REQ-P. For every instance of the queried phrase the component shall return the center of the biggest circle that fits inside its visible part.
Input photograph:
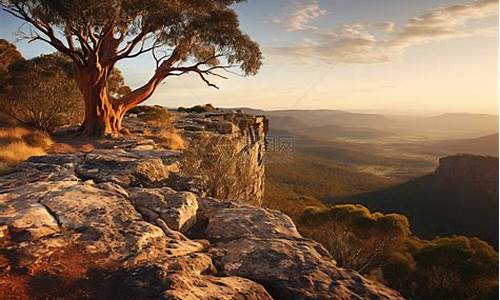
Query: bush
(41, 92)
(356, 238)
(221, 164)
(198, 109)
(456, 267)
(41, 89)
(154, 115)
(161, 126)
(380, 245)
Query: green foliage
(357, 239)
(36, 95)
(154, 115)
(116, 84)
(382, 246)
(445, 268)
(209, 25)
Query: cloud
(384, 41)
(300, 16)
(385, 26)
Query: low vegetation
(219, 163)
(358, 239)
(160, 126)
(381, 246)
(32, 93)
(19, 143)
(455, 267)
(198, 109)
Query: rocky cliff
(110, 224)
(473, 172)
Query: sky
(391, 56)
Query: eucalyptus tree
(183, 36)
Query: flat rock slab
(123, 168)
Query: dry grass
(13, 132)
(19, 151)
(161, 127)
(167, 137)
(19, 143)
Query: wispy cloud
(384, 41)
(300, 16)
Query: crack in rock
(51, 213)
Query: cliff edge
(114, 224)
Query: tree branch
(17, 11)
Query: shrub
(356, 238)
(154, 115)
(160, 126)
(198, 109)
(455, 267)
(41, 91)
(167, 137)
(221, 164)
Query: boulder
(42, 168)
(176, 209)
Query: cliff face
(236, 143)
(109, 225)
(479, 173)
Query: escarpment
(125, 222)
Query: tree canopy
(357, 238)
(183, 36)
(455, 267)
(203, 30)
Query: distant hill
(485, 145)
(324, 117)
(445, 126)
(460, 197)
(469, 123)
(332, 132)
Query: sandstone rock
(41, 168)
(229, 220)
(154, 262)
(176, 209)
(190, 126)
(123, 168)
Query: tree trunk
(103, 117)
